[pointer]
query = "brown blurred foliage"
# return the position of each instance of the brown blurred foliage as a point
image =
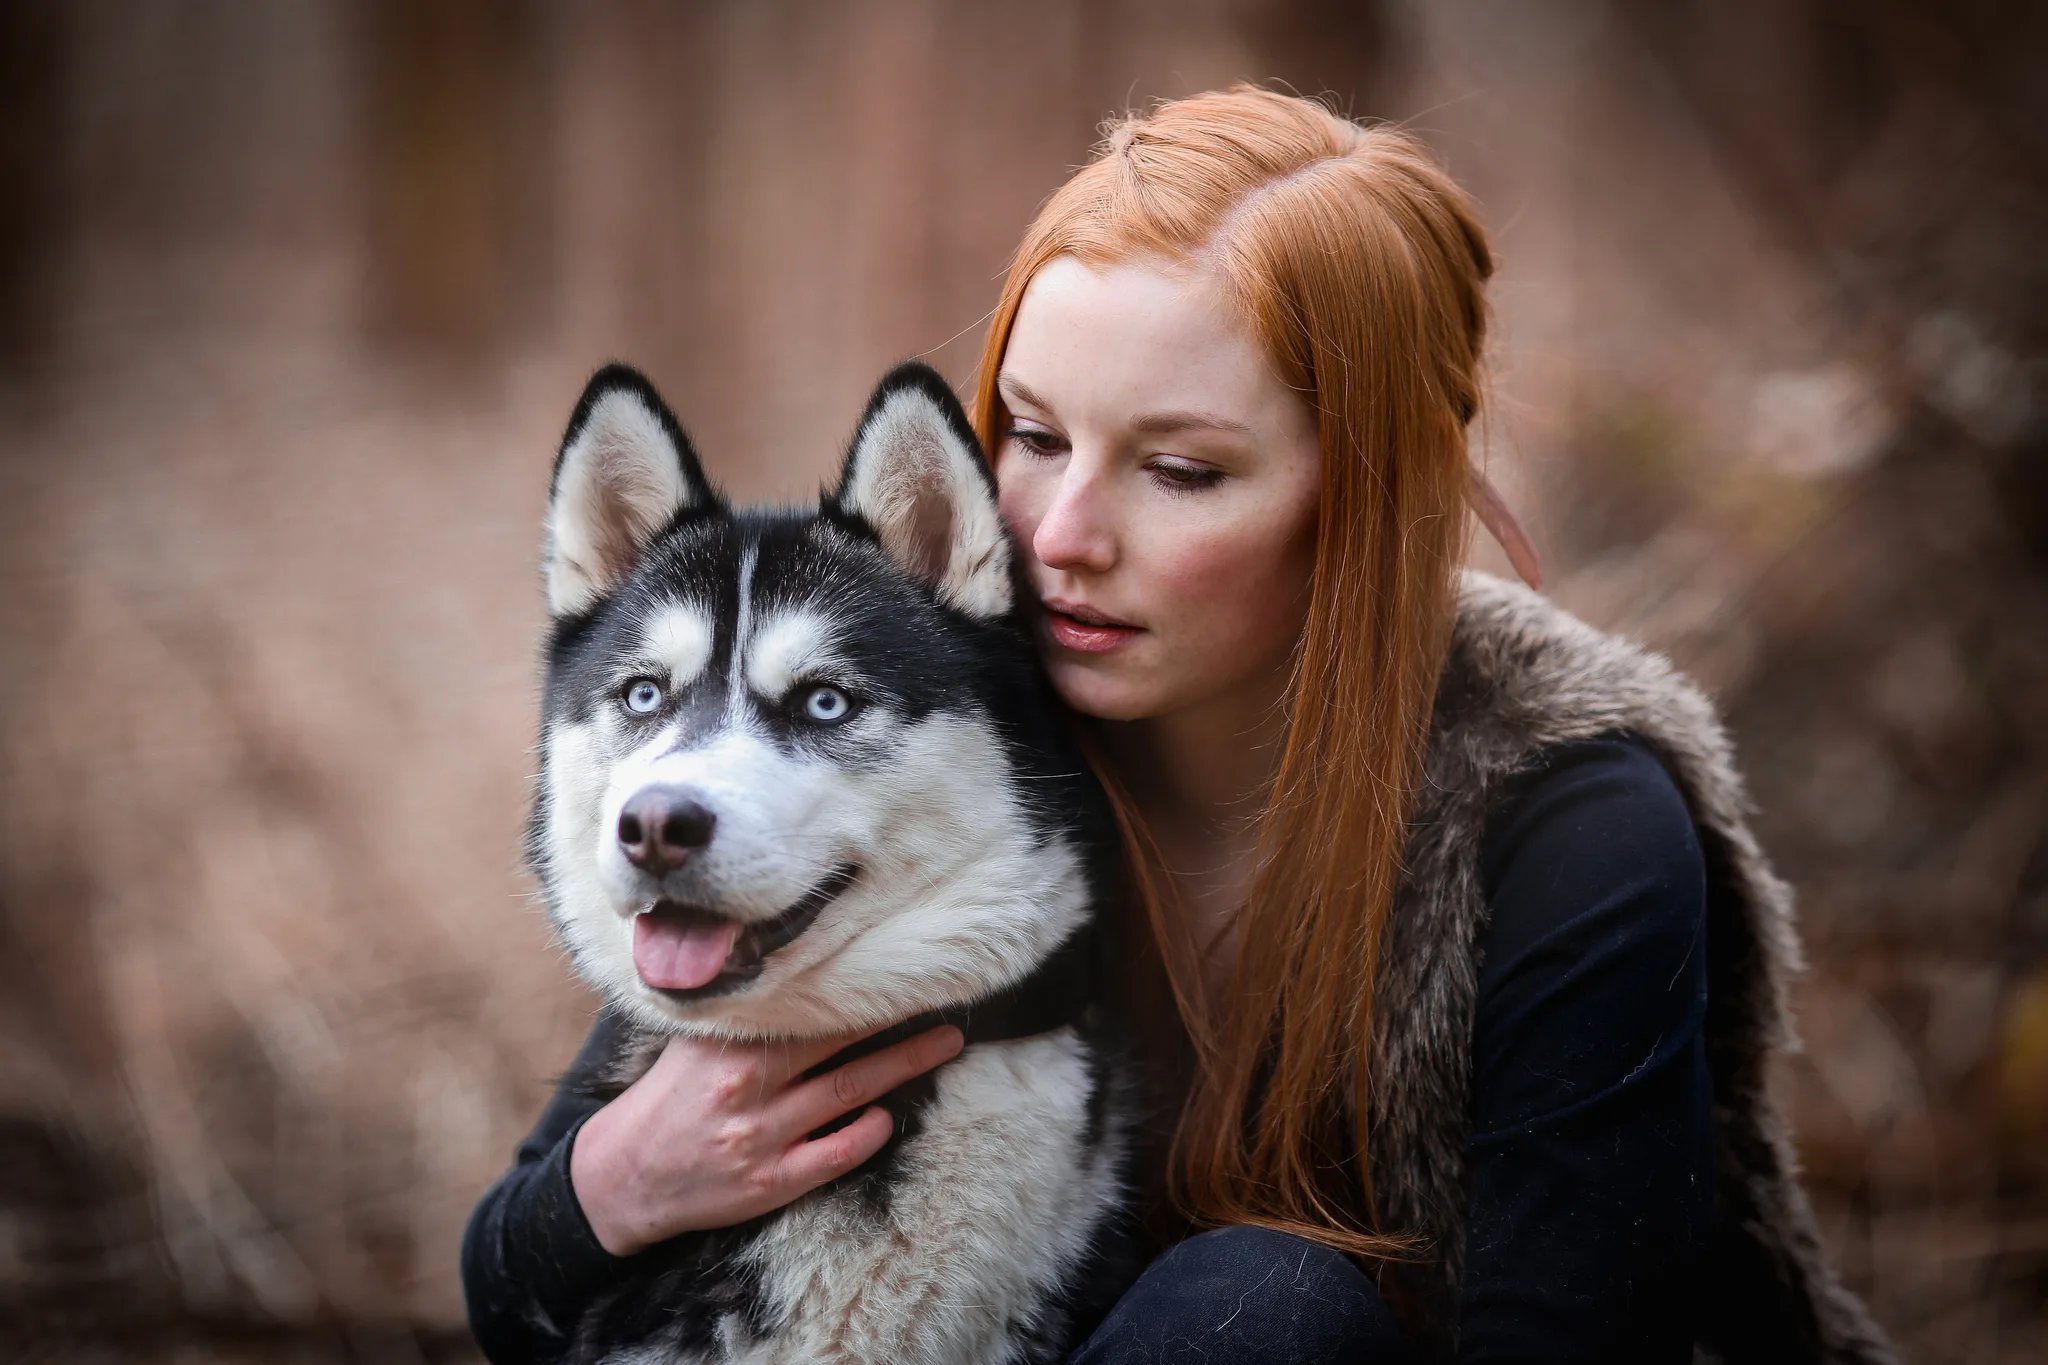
(293, 300)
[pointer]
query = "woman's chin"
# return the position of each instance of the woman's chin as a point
(1088, 691)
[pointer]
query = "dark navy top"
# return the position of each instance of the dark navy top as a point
(1589, 1152)
(1589, 1147)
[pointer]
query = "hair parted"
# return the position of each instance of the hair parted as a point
(1360, 267)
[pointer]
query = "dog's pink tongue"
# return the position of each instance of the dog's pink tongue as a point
(680, 955)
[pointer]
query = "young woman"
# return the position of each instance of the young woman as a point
(1471, 966)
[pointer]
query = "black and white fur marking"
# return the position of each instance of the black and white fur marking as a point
(882, 797)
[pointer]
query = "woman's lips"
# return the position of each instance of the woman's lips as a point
(1086, 636)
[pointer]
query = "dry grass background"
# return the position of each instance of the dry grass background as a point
(293, 302)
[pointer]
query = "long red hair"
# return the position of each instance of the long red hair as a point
(1360, 266)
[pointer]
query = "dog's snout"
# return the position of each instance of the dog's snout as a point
(660, 827)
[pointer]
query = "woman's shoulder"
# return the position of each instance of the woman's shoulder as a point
(1523, 672)
(1591, 815)
(1608, 798)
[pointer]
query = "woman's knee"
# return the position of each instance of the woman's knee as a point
(1246, 1293)
(1242, 1245)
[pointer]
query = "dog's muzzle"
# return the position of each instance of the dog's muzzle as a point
(690, 952)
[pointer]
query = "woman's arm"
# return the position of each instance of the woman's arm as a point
(1590, 1155)
(530, 1261)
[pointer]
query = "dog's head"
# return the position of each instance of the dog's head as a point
(798, 771)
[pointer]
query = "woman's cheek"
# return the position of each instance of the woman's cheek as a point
(1233, 593)
(1013, 506)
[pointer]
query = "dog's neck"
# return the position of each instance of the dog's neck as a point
(1052, 996)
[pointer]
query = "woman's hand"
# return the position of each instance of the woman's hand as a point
(717, 1132)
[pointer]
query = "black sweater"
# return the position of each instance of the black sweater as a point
(1590, 1143)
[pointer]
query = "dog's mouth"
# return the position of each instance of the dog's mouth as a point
(687, 952)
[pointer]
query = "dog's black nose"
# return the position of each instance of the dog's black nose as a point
(660, 827)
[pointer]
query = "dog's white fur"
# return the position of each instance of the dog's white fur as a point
(678, 642)
(1002, 1220)
(994, 1205)
(795, 645)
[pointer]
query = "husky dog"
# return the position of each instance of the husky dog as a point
(801, 775)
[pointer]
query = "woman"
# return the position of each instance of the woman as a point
(1471, 962)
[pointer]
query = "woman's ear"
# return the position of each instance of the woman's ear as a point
(915, 474)
(625, 471)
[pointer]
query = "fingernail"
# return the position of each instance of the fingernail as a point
(954, 1038)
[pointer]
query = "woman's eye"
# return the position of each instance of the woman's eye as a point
(643, 696)
(1037, 441)
(1184, 478)
(827, 705)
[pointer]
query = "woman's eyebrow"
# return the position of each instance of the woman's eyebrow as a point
(1023, 393)
(1163, 423)
(1151, 423)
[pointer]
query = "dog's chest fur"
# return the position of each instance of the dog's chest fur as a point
(963, 1246)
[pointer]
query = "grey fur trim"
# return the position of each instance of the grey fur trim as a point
(1522, 676)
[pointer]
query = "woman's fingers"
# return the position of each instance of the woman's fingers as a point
(737, 1076)
(816, 1102)
(810, 1164)
(783, 1062)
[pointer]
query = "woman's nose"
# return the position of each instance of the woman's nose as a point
(1075, 531)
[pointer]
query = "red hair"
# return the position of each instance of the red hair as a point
(1360, 267)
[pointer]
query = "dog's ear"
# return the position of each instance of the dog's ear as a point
(625, 470)
(915, 473)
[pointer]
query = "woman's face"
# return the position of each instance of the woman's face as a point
(1162, 484)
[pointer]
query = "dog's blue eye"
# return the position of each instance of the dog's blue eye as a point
(827, 705)
(643, 697)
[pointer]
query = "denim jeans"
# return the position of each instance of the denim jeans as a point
(1245, 1294)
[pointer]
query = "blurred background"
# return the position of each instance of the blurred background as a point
(295, 299)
